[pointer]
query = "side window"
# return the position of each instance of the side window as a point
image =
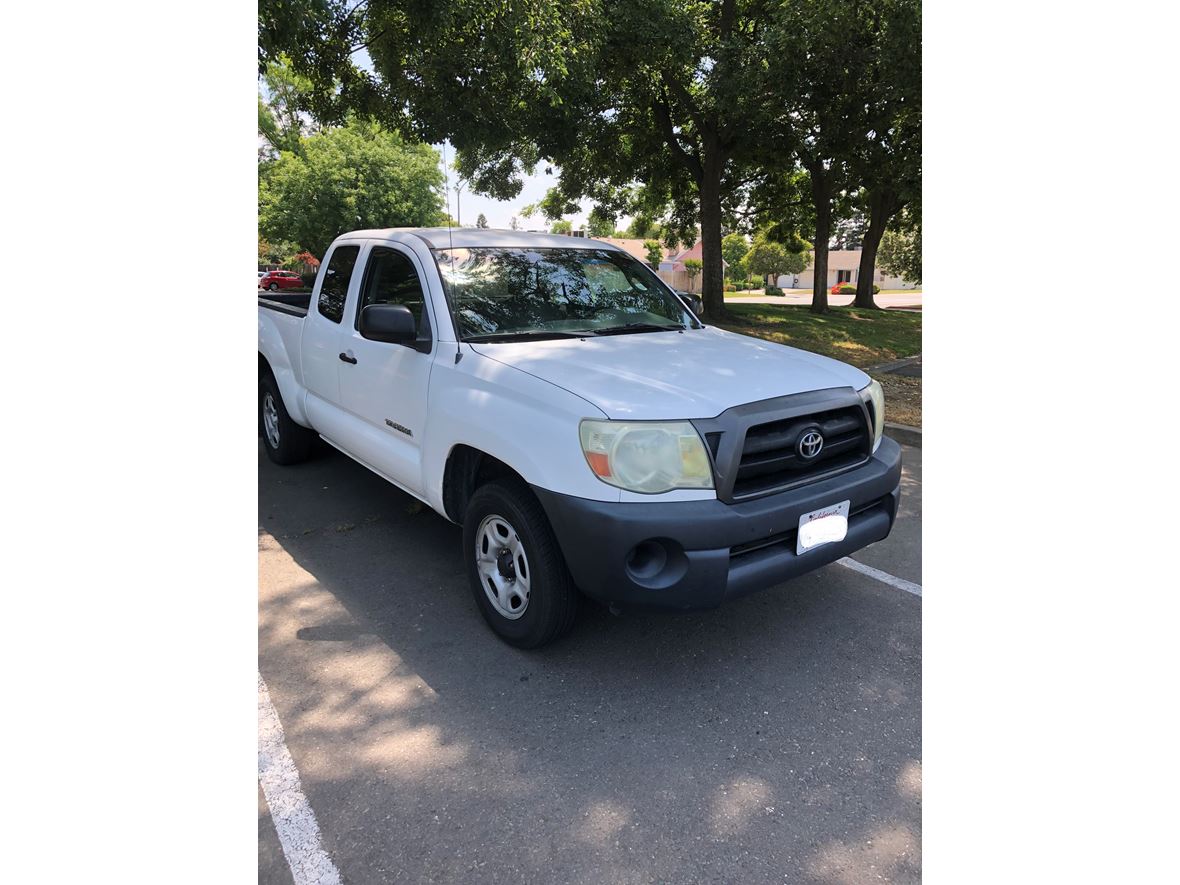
(334, 288)
(390, 278)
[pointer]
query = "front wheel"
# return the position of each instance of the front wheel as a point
(517, 573)
(274, 287)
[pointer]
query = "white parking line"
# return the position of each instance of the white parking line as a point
(294, 820)
(883, 577)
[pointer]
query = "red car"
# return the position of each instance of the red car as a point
(280, 279)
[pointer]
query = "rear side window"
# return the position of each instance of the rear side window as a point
(334, 288)
(390, 278)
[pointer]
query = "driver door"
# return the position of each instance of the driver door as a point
(385, 388)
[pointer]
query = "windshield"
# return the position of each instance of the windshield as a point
(500, 293)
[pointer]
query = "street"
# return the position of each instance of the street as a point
(803, 296)
(776, 739)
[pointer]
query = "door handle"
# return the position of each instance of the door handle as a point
(348, 359)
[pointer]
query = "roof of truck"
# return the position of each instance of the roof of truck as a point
(465, 237)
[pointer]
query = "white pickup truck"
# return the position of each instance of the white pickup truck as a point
(558, 401)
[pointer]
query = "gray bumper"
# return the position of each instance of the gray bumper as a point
(697, 554)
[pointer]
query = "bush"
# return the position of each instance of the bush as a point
(730, 287)
(850, 289)
(754, 283)
(774, 291)
(308, 279)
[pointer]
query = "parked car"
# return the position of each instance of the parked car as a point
(553, 397)
(279, 279)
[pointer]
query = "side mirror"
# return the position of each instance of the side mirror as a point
(392, 323)
(694, 301)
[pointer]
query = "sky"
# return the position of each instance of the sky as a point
(498, 212)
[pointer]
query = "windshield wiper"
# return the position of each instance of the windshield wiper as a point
(628, 328)
(531, 335)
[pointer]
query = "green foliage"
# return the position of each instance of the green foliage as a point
(482, 221)
(733, 250)
(774, 291)
(655, 253)
(643, 228)
(351, 177)
(850, 289)
(900, 253)
(692, 267)
(600, 223)
(768, 258)
(281, 120)
(561, 227)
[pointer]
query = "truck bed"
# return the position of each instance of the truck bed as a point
(295, 303)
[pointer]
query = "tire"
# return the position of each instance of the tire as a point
(285, 441)
(274, 287)
(550, 605)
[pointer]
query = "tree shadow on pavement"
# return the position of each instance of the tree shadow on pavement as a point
(777, 738)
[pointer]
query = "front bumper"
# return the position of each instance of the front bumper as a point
(697, 554)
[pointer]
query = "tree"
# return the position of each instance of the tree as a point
(643, 228)
(349, 177)
(600, 223)
(562, 227)
(900, 254)
(823, 58)
(482, 221)
(613, 92)
(281, 120)
(655, 253)
(888, 158)
(767, 258)
(733, 249)
(692, 267)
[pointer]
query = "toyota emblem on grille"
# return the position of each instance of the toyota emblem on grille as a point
(809, 445)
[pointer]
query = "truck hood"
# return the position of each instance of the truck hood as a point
(672, 375)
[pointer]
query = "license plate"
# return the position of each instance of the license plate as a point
(822, 526)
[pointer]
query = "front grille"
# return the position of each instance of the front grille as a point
(755, 447)
(770, 459)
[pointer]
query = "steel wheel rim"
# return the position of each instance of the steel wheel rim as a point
(503, 567)
(270, 420)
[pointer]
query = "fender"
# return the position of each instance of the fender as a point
(529, 424)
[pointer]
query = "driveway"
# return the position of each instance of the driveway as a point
(777, 739)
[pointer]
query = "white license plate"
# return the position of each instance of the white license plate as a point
(822, 526)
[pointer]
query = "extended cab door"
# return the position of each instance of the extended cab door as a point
(322, 328)
(386, 386)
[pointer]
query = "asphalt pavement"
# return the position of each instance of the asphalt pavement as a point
(776, 739)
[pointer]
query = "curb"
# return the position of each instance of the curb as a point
(904, 434)
(894, 365)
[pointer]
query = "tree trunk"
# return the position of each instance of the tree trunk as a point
(883, 205)
(823, 231)
(712, 283)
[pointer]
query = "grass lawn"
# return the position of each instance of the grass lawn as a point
(860, 337)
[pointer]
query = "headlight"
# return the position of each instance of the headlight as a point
(646, 456)
(874, 398)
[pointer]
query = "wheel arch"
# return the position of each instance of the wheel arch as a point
(467, 468)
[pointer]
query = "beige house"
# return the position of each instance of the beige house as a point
(843, 267)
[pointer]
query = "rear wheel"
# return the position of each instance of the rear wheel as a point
(517, 573)
(285, 441)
